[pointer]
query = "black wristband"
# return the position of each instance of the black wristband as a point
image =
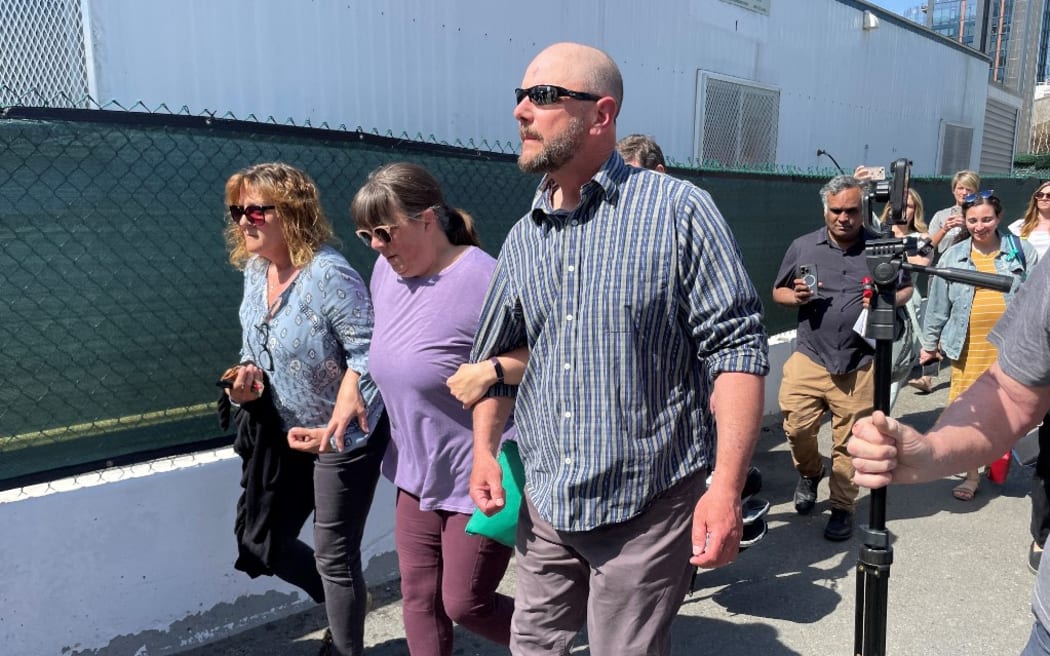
(499, 369)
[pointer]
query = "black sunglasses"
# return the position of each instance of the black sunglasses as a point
(548, 94)
(264, 337)
(256, 213)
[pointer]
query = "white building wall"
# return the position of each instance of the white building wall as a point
(446, 70)
(139, 560)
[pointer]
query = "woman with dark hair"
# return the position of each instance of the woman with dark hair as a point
(960, 316)
(306, 324)
(428, 288)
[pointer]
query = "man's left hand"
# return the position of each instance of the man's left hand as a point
(717, 527)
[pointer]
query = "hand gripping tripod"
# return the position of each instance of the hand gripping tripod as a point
(885, 258)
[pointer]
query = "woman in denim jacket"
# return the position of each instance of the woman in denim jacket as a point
(959, 316)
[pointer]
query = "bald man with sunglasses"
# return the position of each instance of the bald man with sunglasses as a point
(628, 289)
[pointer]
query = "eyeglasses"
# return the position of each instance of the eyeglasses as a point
(548, 94)
(264, 338)
(972, 198)
(256, 213)
(1041, 195)
(384, 233)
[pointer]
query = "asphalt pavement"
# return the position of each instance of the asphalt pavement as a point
(959, 583)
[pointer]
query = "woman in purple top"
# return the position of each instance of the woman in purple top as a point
(427, 290)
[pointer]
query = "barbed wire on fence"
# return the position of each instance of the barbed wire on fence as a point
(33, 98)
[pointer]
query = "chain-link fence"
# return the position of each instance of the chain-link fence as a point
(44, 50)
(120, 309)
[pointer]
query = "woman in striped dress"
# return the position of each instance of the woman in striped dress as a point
(958, 316)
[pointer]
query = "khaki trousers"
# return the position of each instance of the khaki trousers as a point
(807, 391)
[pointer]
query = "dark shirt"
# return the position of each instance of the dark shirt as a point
(825, 324)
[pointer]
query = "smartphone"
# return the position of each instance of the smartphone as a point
(808, 274)
(876, 172)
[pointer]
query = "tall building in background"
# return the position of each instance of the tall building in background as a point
(1015, 35)
(955, 19)
(1011, 32)
(1043, 66)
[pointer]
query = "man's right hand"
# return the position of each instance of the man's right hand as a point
(486, 484)
(803, 294)
(886, 451)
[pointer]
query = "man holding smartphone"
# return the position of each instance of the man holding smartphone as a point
(822, 276)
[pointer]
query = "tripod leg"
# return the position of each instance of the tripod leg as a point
(873, 575)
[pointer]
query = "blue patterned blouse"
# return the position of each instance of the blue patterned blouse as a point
(321, 326)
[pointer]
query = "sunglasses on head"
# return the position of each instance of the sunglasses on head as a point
(548, 94)
(972, 198)
(256, 213)
(384, 233)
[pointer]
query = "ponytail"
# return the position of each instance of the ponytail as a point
(460, 228)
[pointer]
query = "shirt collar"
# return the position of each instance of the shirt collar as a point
(605, 183)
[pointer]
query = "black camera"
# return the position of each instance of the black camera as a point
(893, 190)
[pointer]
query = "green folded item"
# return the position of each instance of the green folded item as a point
(503, 526)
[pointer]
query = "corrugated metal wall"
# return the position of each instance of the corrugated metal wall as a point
(1000, 130)
(446, 70)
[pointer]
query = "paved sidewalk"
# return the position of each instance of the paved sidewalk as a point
(958, 585)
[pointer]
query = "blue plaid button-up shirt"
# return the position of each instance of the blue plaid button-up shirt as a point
(631, 304)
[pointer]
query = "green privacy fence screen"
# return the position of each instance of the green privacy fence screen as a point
(119, 309)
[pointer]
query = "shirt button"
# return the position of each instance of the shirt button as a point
(568, 461)
(568, 317)
(574, 222)
(566, 366)
(571, 268)
(567, 415)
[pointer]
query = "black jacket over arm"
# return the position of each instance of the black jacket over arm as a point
(278, 485)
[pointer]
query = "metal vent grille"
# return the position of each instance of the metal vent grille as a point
(956, 142)
(42, 53)
(1000, 129)
(740, 123)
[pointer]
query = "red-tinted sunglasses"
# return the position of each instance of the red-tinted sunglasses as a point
(256, 213)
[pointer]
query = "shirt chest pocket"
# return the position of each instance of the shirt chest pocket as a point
(633, 303)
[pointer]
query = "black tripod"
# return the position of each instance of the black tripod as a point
(885, 258)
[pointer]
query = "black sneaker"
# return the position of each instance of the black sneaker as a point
(1035, 554)
(840, 526)
(806, 493)
(753, 532)
(752, 484)
(754, 509)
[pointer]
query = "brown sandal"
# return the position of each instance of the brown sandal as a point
(966, 490)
